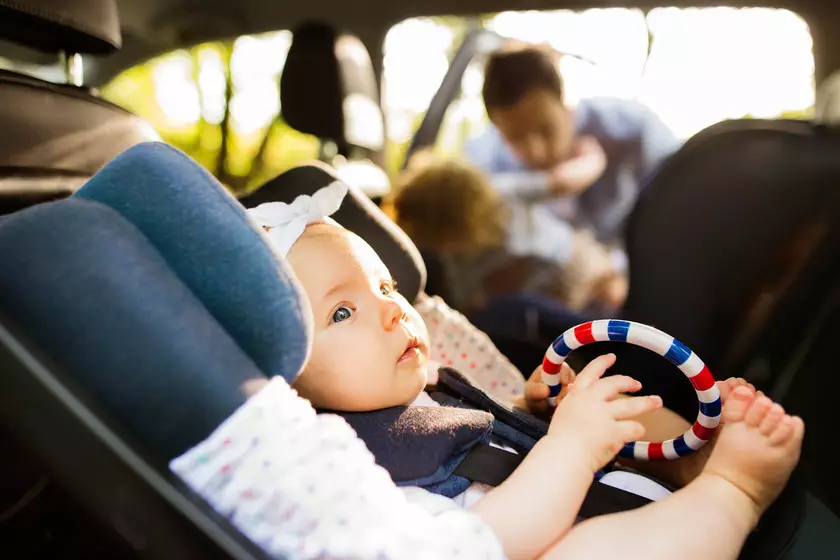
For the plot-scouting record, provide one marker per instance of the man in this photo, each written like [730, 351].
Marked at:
[588, 164]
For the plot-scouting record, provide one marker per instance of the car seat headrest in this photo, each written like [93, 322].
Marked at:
[91, 292]
[328, 88]
[55, 138]
[209, 242]
[77, 26]
[358, 214]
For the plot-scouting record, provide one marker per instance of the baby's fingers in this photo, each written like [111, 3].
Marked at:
[567, 374]
[624, 409]
[629, 430]
[611, 387]
[536, 391]
[594, 370]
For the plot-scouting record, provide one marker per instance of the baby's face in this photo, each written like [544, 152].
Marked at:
[370, 347]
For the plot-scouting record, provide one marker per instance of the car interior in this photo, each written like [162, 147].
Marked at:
[732, 248]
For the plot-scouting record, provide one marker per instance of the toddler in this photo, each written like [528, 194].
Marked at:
[492, 244]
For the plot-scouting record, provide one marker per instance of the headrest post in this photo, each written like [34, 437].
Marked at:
[74, 71]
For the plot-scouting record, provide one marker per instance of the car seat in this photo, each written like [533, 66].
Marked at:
[55, 136]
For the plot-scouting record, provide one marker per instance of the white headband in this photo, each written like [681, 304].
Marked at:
[285, 223]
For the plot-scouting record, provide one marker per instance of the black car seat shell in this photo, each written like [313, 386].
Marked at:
[55, 136]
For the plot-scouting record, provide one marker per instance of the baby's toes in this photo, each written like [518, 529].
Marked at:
[735, 407]
[728, 385]
[771, 421]
[758, 411]
[741, 382]
[783, 432]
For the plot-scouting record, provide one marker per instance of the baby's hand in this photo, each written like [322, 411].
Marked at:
[592, 421]
[535, 399]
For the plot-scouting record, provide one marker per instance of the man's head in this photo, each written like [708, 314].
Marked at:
[448, 206]
[370, 345]
[523, 95]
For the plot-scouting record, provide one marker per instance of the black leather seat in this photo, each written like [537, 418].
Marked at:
[55, 136]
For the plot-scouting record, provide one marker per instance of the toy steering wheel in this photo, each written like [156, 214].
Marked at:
[666, 346]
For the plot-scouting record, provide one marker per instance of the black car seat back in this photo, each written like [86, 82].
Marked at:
[707, 233]
[55, 136]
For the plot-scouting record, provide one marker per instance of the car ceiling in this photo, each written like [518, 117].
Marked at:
[151, 27]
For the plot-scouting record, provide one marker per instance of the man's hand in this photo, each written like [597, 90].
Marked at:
[593, 421]
[576, 174]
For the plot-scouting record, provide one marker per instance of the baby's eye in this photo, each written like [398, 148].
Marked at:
[388, 287]
[342, 314]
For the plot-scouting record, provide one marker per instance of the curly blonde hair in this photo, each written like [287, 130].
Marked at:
[446, 205]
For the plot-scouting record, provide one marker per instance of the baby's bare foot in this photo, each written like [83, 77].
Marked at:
[689, 467]
[757, 448]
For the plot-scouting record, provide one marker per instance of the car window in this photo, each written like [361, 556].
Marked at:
[219, 102]
[704, 65]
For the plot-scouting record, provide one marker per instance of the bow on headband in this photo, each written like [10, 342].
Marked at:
[285, 223]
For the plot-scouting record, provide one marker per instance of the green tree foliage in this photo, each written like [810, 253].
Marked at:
[240, 159]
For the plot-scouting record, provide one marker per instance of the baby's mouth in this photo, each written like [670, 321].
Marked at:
[412, 350]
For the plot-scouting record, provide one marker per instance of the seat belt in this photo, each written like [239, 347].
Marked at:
[490, 465]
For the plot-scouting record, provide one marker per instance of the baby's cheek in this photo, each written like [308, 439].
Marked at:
[418, 326]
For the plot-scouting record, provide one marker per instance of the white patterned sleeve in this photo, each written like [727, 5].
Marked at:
[303, 485]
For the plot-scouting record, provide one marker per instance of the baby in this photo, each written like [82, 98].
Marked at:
[370, 349]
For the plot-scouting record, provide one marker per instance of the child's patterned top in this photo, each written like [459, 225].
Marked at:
[456, 343]
[302, 485]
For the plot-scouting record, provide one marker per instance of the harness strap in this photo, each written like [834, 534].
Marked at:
[491, 465]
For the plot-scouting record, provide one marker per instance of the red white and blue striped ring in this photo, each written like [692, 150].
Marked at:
[667, 346]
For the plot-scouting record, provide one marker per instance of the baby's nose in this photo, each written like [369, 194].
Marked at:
[392, 313]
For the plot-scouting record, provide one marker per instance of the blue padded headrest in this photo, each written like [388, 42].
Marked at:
[99, 300]
[205, 237]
